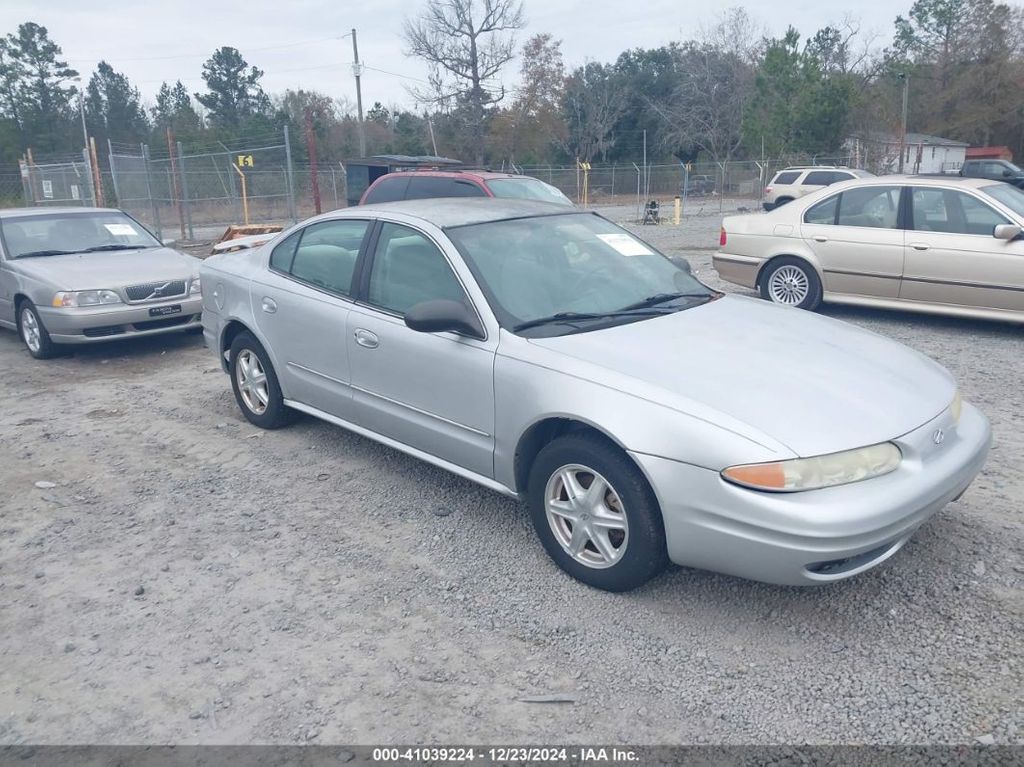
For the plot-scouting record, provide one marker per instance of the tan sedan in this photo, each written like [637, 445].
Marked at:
[929, 244]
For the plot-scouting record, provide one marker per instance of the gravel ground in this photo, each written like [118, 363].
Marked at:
[191, 579]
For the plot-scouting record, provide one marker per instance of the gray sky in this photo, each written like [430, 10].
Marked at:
[296, 41]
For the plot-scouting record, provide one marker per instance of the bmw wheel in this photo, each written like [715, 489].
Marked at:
[596, 514]
[791, 282]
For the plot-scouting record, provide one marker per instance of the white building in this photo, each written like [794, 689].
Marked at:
[923, 153]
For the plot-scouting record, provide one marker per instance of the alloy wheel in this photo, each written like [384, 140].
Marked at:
[252, 381]
[586, 516]
[30, 331]
[789, 285]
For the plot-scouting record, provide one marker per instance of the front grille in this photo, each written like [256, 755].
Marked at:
[168, 323]
[103, 331]
[166, 289]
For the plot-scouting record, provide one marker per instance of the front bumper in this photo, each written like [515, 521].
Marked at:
[92, 324]
[817, 536]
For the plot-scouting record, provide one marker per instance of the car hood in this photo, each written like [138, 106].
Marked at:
[814, 384]
[89, 271]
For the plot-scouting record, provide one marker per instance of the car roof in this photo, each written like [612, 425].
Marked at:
[918, 180]
[463, 211]
[453, 173]
[43, 211]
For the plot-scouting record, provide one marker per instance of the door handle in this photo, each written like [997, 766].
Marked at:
[269, 305]
[919, 246]
[820, 238]
[366, 339]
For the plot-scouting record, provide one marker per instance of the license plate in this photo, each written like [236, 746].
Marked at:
[163, 311]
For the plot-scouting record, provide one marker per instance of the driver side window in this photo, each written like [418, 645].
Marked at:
[408, 269]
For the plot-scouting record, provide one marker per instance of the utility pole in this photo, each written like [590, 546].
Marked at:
[357, 70]
[903, 122]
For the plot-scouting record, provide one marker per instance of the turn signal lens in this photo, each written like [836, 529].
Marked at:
[817, 472]
[956, 406]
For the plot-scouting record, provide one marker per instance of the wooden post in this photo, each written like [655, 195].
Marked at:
[97, 182]
[174, 179]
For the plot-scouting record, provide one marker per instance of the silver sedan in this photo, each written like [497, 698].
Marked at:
[643, 417]
[85, 275]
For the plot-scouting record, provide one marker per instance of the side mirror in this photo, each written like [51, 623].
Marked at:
[168, 241]
[1006, 231]
[1006, 173]
[443, 315]
[682, 263]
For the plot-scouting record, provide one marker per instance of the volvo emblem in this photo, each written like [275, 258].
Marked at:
[158, 292]
[938, 436]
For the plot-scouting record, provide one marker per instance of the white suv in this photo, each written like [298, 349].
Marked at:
[794, 182]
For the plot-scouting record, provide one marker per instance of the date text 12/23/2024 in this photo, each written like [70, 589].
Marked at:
[504, 754]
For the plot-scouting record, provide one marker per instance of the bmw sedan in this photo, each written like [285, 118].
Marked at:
[933, 244]
[552, 356]
[84, 275]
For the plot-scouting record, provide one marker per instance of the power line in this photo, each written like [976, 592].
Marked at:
[207, 53]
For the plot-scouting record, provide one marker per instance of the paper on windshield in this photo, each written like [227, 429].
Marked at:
[626, 245]
[120, 230]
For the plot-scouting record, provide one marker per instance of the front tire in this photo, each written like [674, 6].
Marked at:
[33, 333]
[791, 282]
[596, 514]
[255, 384]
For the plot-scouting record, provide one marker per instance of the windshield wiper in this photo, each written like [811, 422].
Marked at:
[662, 298]
[569, 318]
[45, 253]
[98, 248]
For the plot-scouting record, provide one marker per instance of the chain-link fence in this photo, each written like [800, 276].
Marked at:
[59, 182]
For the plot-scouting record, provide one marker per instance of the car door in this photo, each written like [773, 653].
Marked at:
[952, 257]
[301, 304]
[430, 391]
[858, 239]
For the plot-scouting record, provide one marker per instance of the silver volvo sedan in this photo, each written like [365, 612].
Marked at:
[552, 356]
[83, 275]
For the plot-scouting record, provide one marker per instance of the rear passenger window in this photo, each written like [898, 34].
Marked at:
[467, 189]
[820, 178]
[786, 177]
[326, 254]
[824, 212]
[388, 190]
[428, 187]
[281, 256]
[871, 206]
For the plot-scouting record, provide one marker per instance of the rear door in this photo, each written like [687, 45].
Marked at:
[952, 257]
[858, 239]
[301, 304]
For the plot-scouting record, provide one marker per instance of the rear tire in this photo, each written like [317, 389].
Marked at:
[34, 334]
[791, 281]
[255, 384]
[611, 537]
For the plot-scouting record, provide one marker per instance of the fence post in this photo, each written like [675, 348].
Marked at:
[149, 193]
[288, 176]
[184, 192]
[334, 187]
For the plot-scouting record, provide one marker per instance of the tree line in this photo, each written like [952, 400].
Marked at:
[730, 92]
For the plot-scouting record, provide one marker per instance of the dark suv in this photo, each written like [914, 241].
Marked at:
[423, 184]
[997, 170]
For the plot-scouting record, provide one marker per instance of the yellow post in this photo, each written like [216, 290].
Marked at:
[245, 195]
[678, 210]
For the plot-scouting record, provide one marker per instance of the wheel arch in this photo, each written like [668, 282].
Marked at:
[810, 261]
[544, 431]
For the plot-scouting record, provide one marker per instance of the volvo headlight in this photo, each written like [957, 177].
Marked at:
[86, 298]
[817, 472]
[194, 288]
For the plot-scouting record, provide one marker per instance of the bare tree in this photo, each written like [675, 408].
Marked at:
[593, 103]
[466, 43]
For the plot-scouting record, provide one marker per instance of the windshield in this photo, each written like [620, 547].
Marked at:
[526, 189]
[52, 234]
[573, 272]
[1010, 196]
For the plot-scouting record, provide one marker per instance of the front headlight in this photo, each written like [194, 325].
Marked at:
[819, 471]
[86, 298]
[194, 288]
